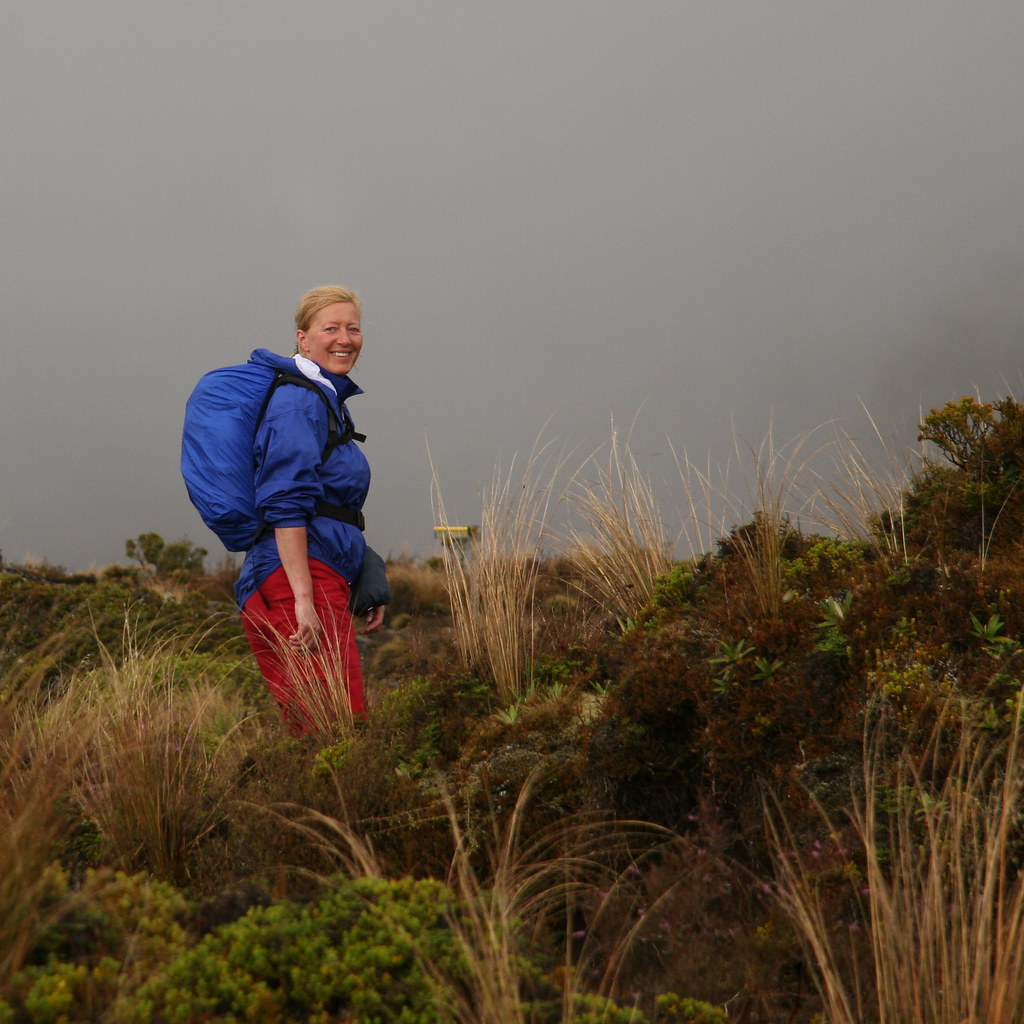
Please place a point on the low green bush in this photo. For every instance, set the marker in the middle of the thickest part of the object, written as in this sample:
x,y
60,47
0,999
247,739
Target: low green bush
x,y
104,938
680,1010
356,953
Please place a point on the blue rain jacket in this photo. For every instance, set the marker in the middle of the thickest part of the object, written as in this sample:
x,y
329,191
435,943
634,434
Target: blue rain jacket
x,y
291,479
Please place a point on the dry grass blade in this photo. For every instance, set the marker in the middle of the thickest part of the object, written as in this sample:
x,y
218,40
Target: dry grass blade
x,y
527,883
160,767
621,546
860,499
39,757
342,843
828,948
322,703
704,519
772,497
510,887
944,900
773,480
492,584
777,479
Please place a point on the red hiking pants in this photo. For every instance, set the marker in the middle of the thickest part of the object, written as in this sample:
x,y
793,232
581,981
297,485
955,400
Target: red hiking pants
x,y
324,686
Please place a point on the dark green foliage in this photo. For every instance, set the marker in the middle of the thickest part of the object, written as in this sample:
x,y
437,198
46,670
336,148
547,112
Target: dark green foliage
x,y
151,551
825,562
982,439
677,1010
430,719
65,624
761,533
586,1009
557,671
976,503
103,940
358,952
676,587
644,749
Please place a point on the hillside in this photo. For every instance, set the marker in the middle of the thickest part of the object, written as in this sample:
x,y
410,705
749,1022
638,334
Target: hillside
x,y
611,786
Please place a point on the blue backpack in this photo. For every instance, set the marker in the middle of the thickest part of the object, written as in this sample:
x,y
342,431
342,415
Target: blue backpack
x,y
217,462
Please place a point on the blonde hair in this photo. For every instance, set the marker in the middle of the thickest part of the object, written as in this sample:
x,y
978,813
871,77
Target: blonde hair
x,y
319,298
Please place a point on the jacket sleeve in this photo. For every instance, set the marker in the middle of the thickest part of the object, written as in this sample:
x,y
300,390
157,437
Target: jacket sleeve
x,y
287,448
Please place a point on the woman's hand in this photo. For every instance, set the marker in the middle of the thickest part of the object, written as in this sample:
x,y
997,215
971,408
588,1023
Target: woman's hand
x,y
308,629
374,621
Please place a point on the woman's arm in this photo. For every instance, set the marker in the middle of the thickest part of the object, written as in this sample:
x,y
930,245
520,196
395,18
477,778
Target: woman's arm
x,y
293,547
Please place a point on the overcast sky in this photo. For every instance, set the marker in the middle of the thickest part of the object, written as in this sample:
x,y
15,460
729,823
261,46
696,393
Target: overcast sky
x,y
710,217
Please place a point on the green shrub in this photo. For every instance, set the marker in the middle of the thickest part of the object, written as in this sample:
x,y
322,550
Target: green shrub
x,y
432,717
675,587
114,931
356,953
823,562
586,1009
70,622
680,1010
975,503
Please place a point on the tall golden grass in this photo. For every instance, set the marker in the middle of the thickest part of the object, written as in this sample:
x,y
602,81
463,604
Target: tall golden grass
x,y
160,765
616,540
323,706
942,895
773,495
861,497
39,759
492,583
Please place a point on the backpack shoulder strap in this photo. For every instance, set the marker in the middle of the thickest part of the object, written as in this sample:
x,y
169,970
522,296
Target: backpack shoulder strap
x,y
337,433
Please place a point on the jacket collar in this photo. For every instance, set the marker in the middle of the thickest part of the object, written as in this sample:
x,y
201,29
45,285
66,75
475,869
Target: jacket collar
x,y
344,387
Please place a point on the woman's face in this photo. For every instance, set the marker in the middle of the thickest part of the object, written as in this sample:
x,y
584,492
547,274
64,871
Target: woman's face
x,y
334,338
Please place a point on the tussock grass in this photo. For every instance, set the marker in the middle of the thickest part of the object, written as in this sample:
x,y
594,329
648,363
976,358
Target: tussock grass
x,y
323,706
703,510
775,482
340,841
583,874
942,895
772,497
620,546
492,584
38,761
862,498
160,765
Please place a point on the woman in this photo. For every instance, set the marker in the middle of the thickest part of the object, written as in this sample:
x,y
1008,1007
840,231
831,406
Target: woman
x,y
295,582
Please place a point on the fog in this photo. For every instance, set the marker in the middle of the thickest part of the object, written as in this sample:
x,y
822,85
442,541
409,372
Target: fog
x,y
699,222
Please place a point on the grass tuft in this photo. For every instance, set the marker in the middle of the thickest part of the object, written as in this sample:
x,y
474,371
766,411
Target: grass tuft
x,y
40,755
492,583
160,766
620,547
941,896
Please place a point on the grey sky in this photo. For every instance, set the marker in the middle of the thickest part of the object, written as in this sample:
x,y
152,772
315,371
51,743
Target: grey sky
x,y
722,215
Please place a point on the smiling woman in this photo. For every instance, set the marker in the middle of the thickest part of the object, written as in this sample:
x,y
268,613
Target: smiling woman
x,y
311,482
330,335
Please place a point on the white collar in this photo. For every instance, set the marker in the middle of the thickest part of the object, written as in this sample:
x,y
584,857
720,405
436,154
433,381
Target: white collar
x,y
312,370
